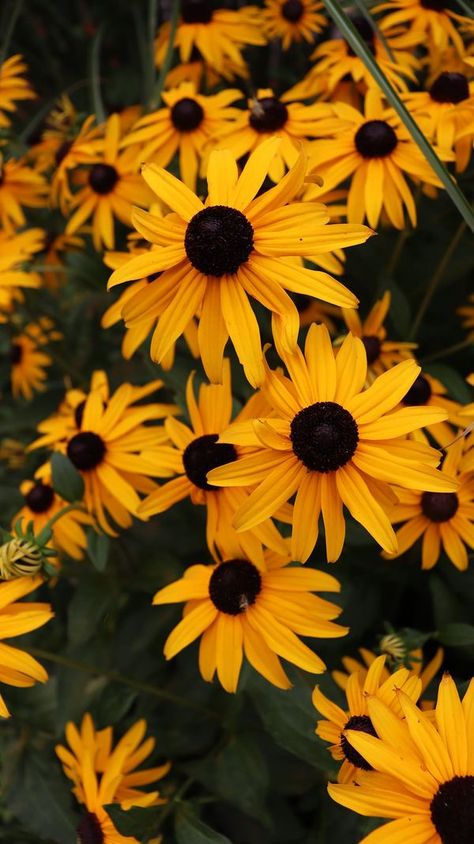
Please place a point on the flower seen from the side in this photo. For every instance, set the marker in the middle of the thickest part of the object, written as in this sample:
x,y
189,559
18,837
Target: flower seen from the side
x,y
28,359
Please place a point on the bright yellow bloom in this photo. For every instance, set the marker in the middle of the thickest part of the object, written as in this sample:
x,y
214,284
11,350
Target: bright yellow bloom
x,y
430,392
213,256
431,21
293,21
237,608
104,774
443,519
20,186
28,360
423,771
71,147
18,668
376,684
13,87
376,149
332,443
467,313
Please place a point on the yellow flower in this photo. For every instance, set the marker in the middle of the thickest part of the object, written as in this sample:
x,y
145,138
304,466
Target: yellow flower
x,y
212,257
72,147
28,361
20,186
431,21
18,668
430,392
104,774
196,451
467,312
237,608
113,185
57,247
186,124
423,771
13,87
219,34
373,685
376,150
442,518
293,21
332,443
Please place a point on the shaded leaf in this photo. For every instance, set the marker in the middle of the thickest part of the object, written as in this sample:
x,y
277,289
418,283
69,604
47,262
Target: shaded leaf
x,y
67,481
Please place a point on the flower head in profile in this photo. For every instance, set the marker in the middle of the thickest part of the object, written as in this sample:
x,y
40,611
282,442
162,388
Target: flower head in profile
x,y
13,87
293,21
376,150
376,683
238,609
104,774
29,360
18,668
443,520
422,770
333,444
214,256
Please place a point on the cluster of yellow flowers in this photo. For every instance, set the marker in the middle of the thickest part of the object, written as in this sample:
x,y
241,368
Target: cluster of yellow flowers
x,y
341,421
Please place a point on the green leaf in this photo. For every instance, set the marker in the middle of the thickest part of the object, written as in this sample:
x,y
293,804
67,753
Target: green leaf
x,y
457,635
67,481
452,380
137,821
98,548
190,829
88,607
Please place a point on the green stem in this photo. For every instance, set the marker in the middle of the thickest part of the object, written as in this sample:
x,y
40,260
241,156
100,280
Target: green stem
x,y
76,505
156,98
150,63
170,806
449,350
435,279
116,677
351,35
373,24
397,252
10,27
97,101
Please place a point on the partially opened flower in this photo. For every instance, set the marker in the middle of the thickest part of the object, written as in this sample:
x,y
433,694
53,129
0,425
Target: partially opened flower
x,y
376,150
213,256
185,124
442,519
238,609
17,667
13,87
196,452
422,776
293,21
333,444
375,682
432,21
103,774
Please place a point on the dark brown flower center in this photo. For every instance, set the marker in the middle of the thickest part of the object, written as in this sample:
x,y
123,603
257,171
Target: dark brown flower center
x,y
89,830
268,115
419,392
16,353
103,178
324,436
234,586
79,413
186,115
452,811
40,498
292,10
204,454
375,139
362,724
373,347
196,11
218,240
86,450
450,88
439,506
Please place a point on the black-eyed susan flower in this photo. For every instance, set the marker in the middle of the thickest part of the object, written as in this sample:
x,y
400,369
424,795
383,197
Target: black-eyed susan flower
x,y
238,609
376,683
334,63
40,504
68,146
443,519
184,125
57,248
448,105
267,115
433,22
293,21
429,391
113,186
20,187
13,87
196,452
16,251
213,256
422,776
218,33
467,314
103,774
381,353
332,443
28,359
104,439
375,148
18,668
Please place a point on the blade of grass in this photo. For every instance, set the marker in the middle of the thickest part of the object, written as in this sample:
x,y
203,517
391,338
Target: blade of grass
x,y
466,9
156,99
96,94
350,33
150,63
